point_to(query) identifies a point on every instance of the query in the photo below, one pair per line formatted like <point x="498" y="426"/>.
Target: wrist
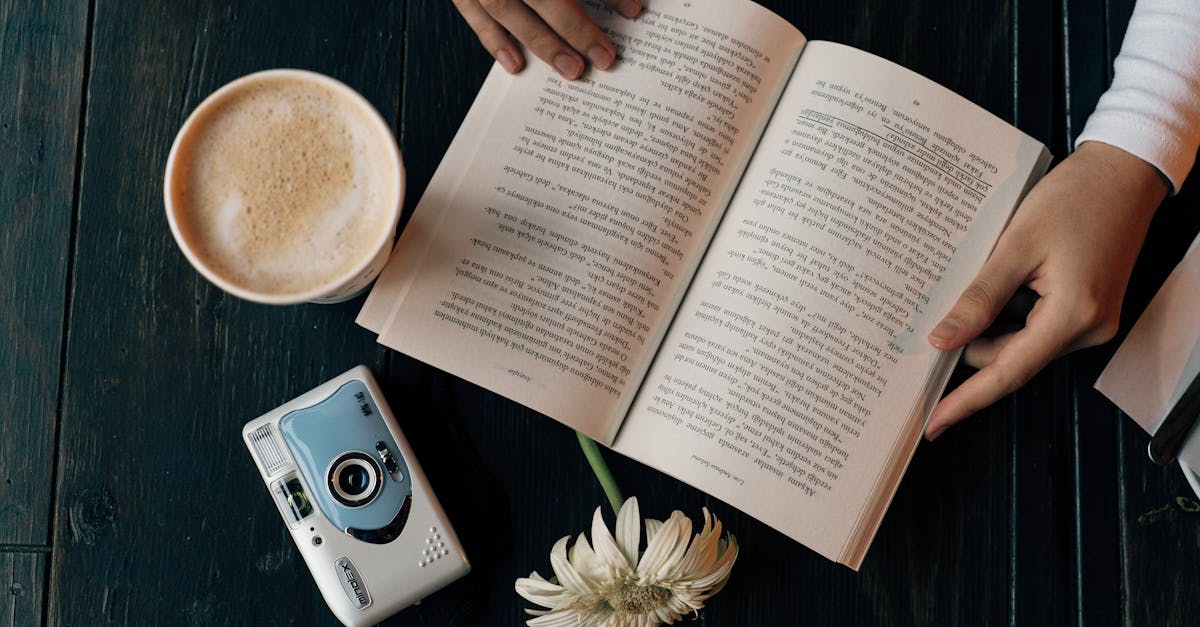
<point x="1134" y="173"/>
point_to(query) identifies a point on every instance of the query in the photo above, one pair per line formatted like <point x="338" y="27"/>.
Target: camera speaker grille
<point x="266" y="447"/>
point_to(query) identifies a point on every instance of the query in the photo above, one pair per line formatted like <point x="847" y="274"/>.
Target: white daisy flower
<point x="608" y="585"/>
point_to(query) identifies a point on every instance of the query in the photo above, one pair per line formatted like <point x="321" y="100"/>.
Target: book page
<point x="544" y="261"/>
<point x="796" y="377"/>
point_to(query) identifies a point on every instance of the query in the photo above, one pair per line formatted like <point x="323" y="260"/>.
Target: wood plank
<point x="22" y="580"/>
<point x="1093" y="449"/>
<point x="1039" y="575"/>
<point x="1095" y="427"/>
<point x="1086" y="64"/>
<point x="162" y="516"/>
<point x="1159" y="519"/>
<point x="43" y="51"/>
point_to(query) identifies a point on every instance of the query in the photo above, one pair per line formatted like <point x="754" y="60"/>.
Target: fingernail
<point x="630" y="8"/>
<point x="508" y="61"/>
<point x="567" y="65"/>
<point x="600" y="57"/>
<point x="932" y="435"/>
<point x="945" y="331"/>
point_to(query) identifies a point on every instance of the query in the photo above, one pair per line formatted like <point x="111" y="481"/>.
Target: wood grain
<point x="163" y="518"/>
<point x="40" y="89"/>
<point x="1092" y="450"/>
<point x="1039" y="572"/>
<point x="22" y="578"/>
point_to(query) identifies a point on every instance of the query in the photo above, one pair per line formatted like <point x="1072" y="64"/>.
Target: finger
<point x="1049" y="333"/>
<point x="569" y="20"/>
<point x="628" y="8"/>
<point x="982" y="350"/>
<point x="983" y="299"/>
<point x="492" y="35"/>
<point x="529" y="29"/>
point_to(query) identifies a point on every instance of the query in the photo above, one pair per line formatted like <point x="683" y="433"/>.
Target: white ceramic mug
<point x="362" y="262"/>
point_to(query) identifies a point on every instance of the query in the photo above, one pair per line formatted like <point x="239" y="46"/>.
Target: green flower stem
<point x="596" y="460"/>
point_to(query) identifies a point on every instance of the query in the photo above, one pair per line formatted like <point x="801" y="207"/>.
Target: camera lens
<point x="354" y="479"/>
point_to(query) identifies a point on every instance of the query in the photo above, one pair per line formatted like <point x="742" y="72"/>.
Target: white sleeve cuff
<point x="1152" y="109"/>
<point x="1142" y="138"/>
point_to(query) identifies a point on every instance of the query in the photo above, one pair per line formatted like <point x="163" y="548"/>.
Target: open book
<point x="721" y="258"/>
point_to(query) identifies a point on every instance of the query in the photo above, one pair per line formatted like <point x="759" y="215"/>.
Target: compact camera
<point x="355" y="500"/>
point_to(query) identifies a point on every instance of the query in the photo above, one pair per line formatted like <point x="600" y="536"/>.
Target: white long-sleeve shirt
<point x="1152" y="108"/>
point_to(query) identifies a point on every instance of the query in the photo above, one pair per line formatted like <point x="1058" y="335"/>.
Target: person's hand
<point x="1073" y="240"/>
<point x="559" y="32"/>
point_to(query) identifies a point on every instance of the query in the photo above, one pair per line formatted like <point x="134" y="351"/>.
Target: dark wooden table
<point x="128" y="498"/>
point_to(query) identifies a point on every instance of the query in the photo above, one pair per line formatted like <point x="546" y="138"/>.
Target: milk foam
<point x="284" y="186"/>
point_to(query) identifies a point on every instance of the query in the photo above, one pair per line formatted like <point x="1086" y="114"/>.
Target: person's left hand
<point x="559" y="32"/>
<point x="1073" y="240"/>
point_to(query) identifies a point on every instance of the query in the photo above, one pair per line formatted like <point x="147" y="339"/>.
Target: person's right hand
<point x="1073" y="240"/>
<point x="559" y="32"/>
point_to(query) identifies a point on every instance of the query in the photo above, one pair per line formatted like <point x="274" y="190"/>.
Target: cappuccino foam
<point x="284" y="185"/>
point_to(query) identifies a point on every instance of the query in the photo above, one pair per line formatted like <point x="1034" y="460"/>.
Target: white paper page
<point x="395" y="279"/>
<point x="799" y="355"/>
<point x="1161" y="354"/>
<point x="393" y="282"/>
<point x="564" y="242"/>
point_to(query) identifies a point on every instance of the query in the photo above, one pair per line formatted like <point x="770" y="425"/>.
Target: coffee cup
<point x="285" y="186"/>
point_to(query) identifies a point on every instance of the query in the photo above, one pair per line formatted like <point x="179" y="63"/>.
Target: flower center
<point x="637" y="599"/>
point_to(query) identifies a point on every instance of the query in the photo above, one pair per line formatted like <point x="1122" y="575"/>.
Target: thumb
<point x="981" y="302"/>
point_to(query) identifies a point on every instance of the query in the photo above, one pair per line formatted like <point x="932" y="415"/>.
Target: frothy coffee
<point x="282" y="184"/>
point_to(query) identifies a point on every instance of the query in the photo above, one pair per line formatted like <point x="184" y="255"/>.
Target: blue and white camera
<point x="355" y="500"/>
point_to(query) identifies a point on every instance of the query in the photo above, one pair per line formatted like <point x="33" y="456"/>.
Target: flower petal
<point x="669" y="614"/>
<point x="608" y="554"/>
<point x="666" y="549"/>
<point x="570" y="578"/>
<point x="584" y="560"/>
<point x="565" y="618"/>
<point x="702" y="554"/>
<point x="537" y="584"/>
<point x="537" y="590"/>
<point x="652" y="527"/>
<point x="531" y="587"/>
<point x="629" y="530"/>
<point x="720" y="571"/>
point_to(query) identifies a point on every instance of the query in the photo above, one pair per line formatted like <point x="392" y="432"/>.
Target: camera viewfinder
<point x="292" y="500"/>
